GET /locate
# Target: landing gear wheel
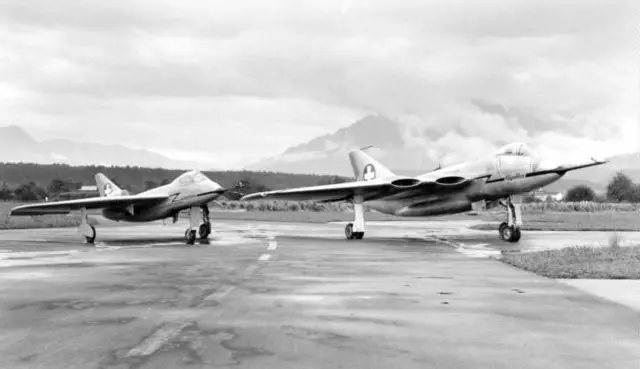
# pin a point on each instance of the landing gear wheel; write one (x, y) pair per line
(348, 232)
(509, 233)
(190, 236)
(204, 230)
(516, 235)
(92, 238)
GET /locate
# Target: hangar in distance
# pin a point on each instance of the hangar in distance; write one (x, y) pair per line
(495, 180)
(191, 190)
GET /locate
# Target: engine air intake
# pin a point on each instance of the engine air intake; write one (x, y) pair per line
(450, 180)
(405, 182)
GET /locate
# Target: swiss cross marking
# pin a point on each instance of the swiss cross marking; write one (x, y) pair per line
(369, 172)
(108, 189)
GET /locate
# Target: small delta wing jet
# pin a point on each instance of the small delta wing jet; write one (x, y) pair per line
(191, 190)
(472, 185)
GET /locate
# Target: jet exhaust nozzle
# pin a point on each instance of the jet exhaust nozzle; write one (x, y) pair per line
(405, 182)
(450, 180)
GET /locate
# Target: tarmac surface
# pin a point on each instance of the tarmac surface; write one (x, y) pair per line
(283, 295)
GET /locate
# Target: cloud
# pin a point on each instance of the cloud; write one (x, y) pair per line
(250, 78)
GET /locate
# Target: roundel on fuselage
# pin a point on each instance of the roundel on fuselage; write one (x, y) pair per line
(369, 172)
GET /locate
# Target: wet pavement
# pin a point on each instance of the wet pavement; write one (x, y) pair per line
(284, 295)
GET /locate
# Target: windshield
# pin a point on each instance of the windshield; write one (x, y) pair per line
(516, 149)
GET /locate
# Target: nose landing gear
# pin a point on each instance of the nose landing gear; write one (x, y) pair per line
(196, 215)
(510, 230)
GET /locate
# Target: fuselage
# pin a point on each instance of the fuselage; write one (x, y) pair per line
(510, 175)
(191, 189)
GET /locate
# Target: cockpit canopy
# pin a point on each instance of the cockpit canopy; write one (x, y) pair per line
(191, 177)
(516, 149)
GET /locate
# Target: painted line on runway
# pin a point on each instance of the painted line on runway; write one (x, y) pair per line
(36, 254)
(474, 251)
(221, 293)
(264, 257)
(158, 339)
(272, 245)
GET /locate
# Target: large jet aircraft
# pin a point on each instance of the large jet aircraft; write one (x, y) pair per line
(191, 190)
(472, 185)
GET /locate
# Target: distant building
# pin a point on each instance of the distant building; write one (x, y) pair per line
(542, 195)
(88, 188)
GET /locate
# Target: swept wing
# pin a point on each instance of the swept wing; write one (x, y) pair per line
(370, 190)
(64, 207)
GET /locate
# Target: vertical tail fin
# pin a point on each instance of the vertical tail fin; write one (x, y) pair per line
(106, 187)
(366, 168)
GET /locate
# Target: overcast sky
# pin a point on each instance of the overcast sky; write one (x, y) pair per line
(236, 81)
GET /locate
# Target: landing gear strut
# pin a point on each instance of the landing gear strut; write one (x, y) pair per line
(355, 230)
(510, 230)
(85, 229)
(203, 229)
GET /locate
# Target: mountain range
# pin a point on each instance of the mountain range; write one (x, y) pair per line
(327, 154)
(16, 145)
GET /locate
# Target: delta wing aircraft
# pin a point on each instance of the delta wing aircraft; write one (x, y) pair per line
(191, 190)
(497, 180)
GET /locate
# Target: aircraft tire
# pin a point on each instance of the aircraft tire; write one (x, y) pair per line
(204, 231)
(359, 235)
(348, 232)
(509, 233)
(92, 238)
(190, 236)
(501, 227)
(516, 235)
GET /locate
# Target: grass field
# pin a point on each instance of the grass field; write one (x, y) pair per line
(568, 221)
(580, 262)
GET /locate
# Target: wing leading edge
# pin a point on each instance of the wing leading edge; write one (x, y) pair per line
(370, 190)
(64, 207)
(324, 193)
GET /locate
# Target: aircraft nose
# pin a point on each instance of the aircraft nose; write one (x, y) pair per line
(569, 163)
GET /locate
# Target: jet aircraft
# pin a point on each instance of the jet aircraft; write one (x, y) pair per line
(191, 190)
(497, 180)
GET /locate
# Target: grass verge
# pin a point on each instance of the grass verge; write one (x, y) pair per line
(567, 221)
(580, 262)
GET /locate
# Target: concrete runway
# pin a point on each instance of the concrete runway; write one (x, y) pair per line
(275, 295)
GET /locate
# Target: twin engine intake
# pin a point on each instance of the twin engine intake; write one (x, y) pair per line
(412, 182)
(405, 182)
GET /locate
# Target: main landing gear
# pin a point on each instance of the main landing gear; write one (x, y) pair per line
(85, 229)
(510, 230)
(196, 215)
(355, 230)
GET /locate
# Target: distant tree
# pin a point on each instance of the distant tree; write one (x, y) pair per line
(635, 194)
(29, 192)
(57, 186)
(165, 181)
(529, 198)
(5, 192)
(252, 186)
(580, 193)
(332, 180)
(620, 188)
(149, 185)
